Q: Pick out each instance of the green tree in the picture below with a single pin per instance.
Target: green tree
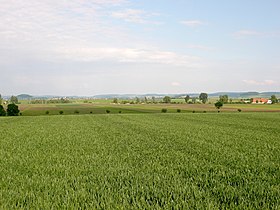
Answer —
(1, 99)
(203, 97)
(187, 98)
(2, 111)
(166, 99)
(194, 100)
(154, 99)
(223, 99)
(137, 100)
(219, 105)
(14, 100)
(115, 101)
(12, 110)
(146, 100)
(274, 99)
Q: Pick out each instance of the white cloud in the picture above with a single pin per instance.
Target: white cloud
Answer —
(192, 23)
(260, 83)
(129, 55)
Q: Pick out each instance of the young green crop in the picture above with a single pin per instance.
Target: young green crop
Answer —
(147, 161)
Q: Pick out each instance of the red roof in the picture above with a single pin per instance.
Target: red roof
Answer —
(260, 100)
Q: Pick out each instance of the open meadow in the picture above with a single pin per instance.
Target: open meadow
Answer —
(141, 161)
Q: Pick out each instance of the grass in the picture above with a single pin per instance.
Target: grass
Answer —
(147, 161)
(83, 108)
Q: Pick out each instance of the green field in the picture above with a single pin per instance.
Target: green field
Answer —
(141, 161)
(100, 108)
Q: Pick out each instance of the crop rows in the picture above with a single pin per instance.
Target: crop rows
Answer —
(147, 161)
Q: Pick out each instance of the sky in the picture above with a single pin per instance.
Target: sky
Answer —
(89, 47)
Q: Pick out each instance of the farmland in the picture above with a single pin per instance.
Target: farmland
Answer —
(101, 107)
(141, 161)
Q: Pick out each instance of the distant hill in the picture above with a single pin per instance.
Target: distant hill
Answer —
(211, 95)
(239, 95)
(24, 97)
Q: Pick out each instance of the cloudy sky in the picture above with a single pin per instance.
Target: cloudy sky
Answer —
(88, 47)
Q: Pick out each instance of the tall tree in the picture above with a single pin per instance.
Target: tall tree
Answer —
(137, 100)
(115, 100)
(187, 98)
(14, 100)
(203, 97)
(154, 99)
(166, 99)
(274, 99)
(224, 98)
(146, 100)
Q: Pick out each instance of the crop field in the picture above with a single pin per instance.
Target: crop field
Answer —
(141, 161)
(100, 108)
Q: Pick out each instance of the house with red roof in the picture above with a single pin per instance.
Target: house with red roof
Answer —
(261, 101)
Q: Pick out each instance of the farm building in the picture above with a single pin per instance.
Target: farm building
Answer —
(261, 101)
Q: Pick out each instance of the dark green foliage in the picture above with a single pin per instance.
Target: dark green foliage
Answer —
(239, 110)
(223, 99)
(163, 110)
(2, 111)
(219, 104)
(108, 111)
(193, 111)
(178, 110)
(47, 112)
(204, 111)
(76, 112)
(61, 112)
(120, 112)
(166, 99)
(12, 110)
(90, 112)
(187, 98)
(115, 100)
(203, 97)
(274, 99)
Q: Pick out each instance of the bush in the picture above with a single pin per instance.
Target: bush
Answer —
(120, 112)
(239, 110)
(2, 111)
(91, 112)
(204, 111)
(193, 111)
(47, 112)
(178, 110)
(164, 110)
(76, 112)
(60, 112)
(12, 110)
(108, 111)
